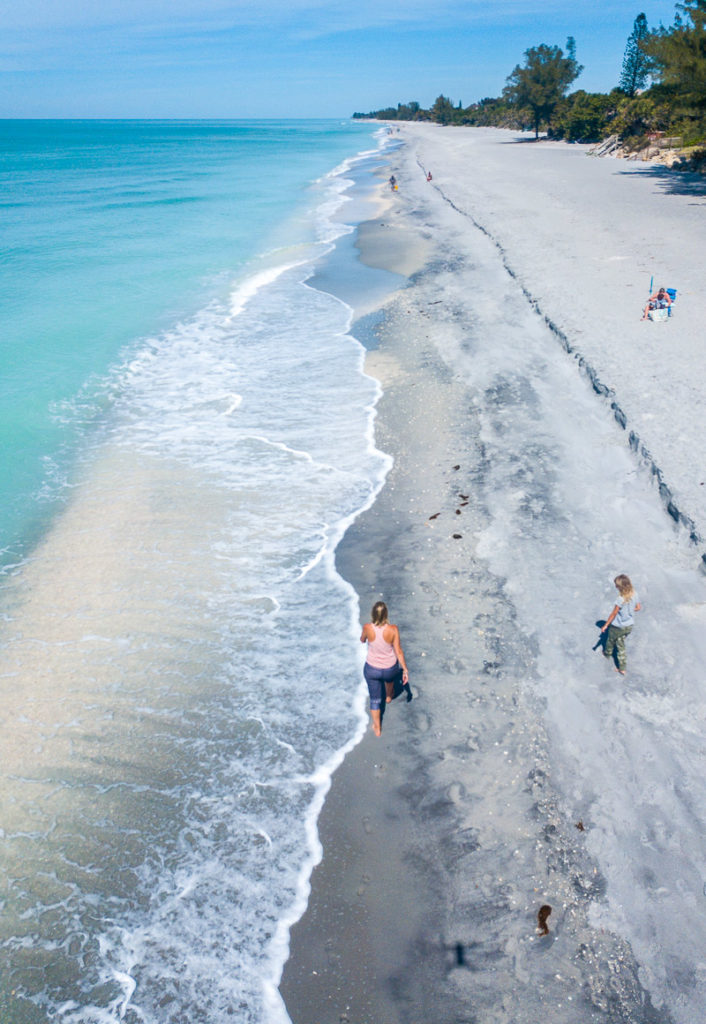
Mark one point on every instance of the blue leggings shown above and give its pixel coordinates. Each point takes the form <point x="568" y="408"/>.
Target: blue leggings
<point x="376" y="679"/>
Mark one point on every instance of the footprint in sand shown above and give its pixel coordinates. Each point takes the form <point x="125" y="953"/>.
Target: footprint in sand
<point x="367" y="827"/>
<point x="456" y="792"/>
<point x="331" y="955"/>
<point x="364" y="883"/>
<point x="423" y="722"/>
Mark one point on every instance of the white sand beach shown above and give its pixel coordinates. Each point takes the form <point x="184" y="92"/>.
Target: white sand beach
<point x="557" y="440"/>
<point x="584" y="238"/>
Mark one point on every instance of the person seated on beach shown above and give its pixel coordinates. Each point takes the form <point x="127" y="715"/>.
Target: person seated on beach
<point x="384" y="661"/>
<point x="428" y="175"/>
<point x="660" y="300"/>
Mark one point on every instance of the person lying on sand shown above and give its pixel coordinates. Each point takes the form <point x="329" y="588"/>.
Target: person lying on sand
<point x="384" y="662"/>
<point x="660" y="300"/>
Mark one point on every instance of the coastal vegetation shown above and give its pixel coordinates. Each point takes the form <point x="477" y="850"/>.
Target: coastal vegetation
<point x="659" y="100"/>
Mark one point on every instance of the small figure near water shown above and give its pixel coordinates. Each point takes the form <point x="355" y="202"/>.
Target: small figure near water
<point x="393" y="183"/>
<point x="660" y="300"/>
<point x="620" y="621"/>
<point x="428" y="175"/>
<point x="384" y="662"/>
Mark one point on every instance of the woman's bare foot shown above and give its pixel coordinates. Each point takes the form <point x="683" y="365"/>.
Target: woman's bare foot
<point x="620" y="671"/>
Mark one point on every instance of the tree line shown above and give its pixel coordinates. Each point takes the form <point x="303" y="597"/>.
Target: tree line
<point x="661" y="90"/>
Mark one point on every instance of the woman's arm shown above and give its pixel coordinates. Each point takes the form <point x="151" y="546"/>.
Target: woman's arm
<point x="400" y="653"/>
<point x="367" y="630"/>
<point x="610" y="618"/>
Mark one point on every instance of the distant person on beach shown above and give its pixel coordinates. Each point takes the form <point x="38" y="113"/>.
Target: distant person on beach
<point x="428" y="175"/>
<point x="384" y="661"/>
<point x="393" y="181"/>
<point x="620" y="621"/>
<point x="660" y="300"/>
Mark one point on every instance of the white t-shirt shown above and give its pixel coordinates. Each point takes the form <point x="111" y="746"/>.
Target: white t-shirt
<point x="627" y="607"/>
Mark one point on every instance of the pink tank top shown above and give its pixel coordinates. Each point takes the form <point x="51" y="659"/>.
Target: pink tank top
<point x="380" y="653"/>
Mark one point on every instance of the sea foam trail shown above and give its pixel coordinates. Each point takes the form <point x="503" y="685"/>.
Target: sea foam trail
<point x="165" y="664"/>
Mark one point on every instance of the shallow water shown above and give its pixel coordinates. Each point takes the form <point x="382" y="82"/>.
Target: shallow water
<point x="161" y="670"/>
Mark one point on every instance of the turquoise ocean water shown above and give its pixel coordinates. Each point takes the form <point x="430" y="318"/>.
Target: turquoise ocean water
<point x="186" y="432"/>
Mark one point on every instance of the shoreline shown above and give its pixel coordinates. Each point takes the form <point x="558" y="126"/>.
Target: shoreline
<point x="442" y="838"/>
<point x="388" y="930"/>
<point x="347" y="925"/>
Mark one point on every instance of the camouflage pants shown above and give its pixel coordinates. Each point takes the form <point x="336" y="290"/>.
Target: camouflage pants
<point x="616" y="639"/>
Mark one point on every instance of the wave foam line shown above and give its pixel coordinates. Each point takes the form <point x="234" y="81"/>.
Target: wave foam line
<point x="321" y="779"/>
<point x="252" y="285"/>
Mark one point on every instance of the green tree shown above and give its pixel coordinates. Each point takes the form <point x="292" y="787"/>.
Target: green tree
<point x="585" y="116"/>
<point x="637" y="117"/>
<point x="635" y="62"/>
<point x="678" y="54"/>
<point x="443" y="110"/>
<point x="540" y="84"/>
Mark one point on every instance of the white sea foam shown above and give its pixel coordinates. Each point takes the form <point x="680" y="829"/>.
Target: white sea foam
<point x="254" y="282"/>
<point x="174" y="683"/>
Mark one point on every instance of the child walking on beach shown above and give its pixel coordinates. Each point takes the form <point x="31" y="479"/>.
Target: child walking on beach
<point x="620" y="621"/>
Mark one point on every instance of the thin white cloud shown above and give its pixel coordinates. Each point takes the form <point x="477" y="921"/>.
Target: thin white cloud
<point x="45" y="34"/>
<point x="318" y="15"/>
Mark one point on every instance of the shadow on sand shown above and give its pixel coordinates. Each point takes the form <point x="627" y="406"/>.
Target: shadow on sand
<point x="520" y="140"/>
<point x="600" y="642"/>
<point x="675" y="183"/>
<point x="398" y="688"/>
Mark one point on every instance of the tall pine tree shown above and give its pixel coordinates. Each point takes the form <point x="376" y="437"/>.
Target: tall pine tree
<point x="678" y="54"/>
<point x="635" y="62"/>
<point x="542" y="82"/>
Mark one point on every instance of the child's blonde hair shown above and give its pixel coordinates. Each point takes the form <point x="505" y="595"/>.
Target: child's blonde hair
<point x="624" y="586"/>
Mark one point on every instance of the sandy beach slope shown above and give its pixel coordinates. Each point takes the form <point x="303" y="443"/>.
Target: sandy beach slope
<point x="524" y="771"/>
<point x="584" y="238"/>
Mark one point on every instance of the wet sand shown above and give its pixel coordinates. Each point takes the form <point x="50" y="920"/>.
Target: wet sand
<point x="371" y="945"/>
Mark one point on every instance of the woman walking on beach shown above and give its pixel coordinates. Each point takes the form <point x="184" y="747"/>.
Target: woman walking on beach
<point x="620" y="621"/>
<point x="384" y="661"/>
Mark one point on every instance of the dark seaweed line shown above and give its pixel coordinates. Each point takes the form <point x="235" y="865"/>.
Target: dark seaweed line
<point x="636" y="445"/>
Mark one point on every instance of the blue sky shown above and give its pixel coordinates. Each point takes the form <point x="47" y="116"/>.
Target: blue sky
<point x="289" y="58"/>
